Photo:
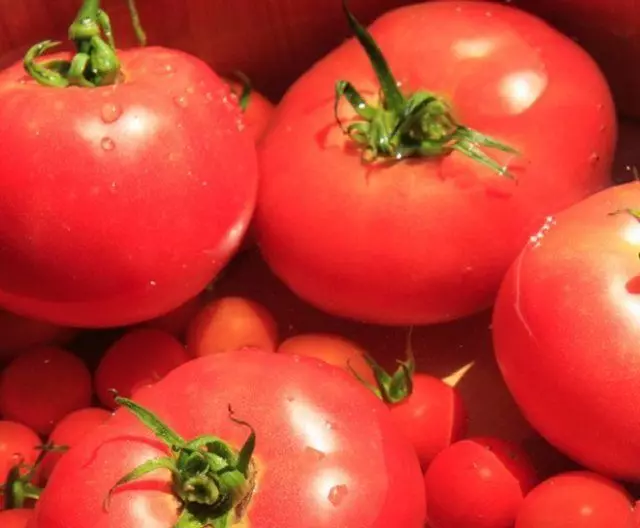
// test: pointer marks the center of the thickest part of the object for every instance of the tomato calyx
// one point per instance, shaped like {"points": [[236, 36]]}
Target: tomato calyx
{"points": [[396, 387], [213, 483], [244, 97], [419, 125], [95, 62], [18, 486]]}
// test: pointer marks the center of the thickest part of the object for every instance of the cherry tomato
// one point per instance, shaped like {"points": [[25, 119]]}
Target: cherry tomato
{"points": [[433, 416], [140, 357], [42, 386], [68, 432], [565, 326], [231, 323], [17, 442], [420, 241], [327, 453], [18, 518], [332, 349], [477, 483], [578, 500]]}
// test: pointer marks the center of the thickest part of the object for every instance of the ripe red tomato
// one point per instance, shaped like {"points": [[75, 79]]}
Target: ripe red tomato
{"points": [[477, 483], [155, 191], [15, 518], [68, 432], [18, 333], [414, 242], [433, 416], [231, 323], [565, 330], [258, 109], [141, 357], [42, 386], [333, 349], [578, 499], [326, 451]]}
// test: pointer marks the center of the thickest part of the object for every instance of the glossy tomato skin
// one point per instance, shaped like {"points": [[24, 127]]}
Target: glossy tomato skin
{"points": [[579, 498], [120, 203], [428, 241], [565, 330], [327, 453]]}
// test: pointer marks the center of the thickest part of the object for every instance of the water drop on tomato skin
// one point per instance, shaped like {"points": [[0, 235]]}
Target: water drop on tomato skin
{"points": [[181, 101], [337, 494], [594, 158], [190, 90], [107, 144], [110, 112]]}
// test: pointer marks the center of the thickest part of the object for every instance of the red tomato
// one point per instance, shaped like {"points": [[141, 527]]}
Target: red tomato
{"points": [[433, 417], [323, 442], [333, 349], [155, 193], [477, 483], [578, 499], [565, 330], [68, 432], [18, 333], [17, 442], [258, 111], [415, 242], [138, 358], [231, 323], [42, 386], [15, 518]]}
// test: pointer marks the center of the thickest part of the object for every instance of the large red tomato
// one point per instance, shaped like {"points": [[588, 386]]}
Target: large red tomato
{"points": [[326, 455], [566, 329], [421, 241], [119, 202]]}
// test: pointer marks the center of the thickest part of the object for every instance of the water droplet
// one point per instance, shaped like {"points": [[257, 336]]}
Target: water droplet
{"points": [[594, 158], [166, 69], [22, 80], [458, 9], [174, 156], [208, 96], [107, 144], [113, 187], [110, 112], [488, 14], [315, 453], [337, 494], [181, 101], [240, 123], [329, 425], [153, 283], [191, 90]]}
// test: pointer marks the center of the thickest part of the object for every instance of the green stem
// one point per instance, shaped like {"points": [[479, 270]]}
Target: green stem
{"points": [[212, 481], [420, 124], [95, 62]]}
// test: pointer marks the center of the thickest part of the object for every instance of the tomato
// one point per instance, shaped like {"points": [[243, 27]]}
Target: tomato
{"points": [[580, 499], [140, 357], [68, 432], [18, 333], [565, 327], [42, 386], [608, 32], [176, 321], [322, 442], [231, 323], [18, 445], [15, 518], [154, 194], [333, 349], [257, 109], [477, 483], [416, 242], [432, 416]]}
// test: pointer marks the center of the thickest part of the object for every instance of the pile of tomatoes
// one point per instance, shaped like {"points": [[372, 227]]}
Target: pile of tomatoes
{"points": [[405, 296]]}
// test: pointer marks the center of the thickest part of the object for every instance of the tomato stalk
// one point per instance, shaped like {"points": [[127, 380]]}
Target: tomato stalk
{"points": [[18, 486], [418, 125], [212, 481], [396, 387], [95, 62]]}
